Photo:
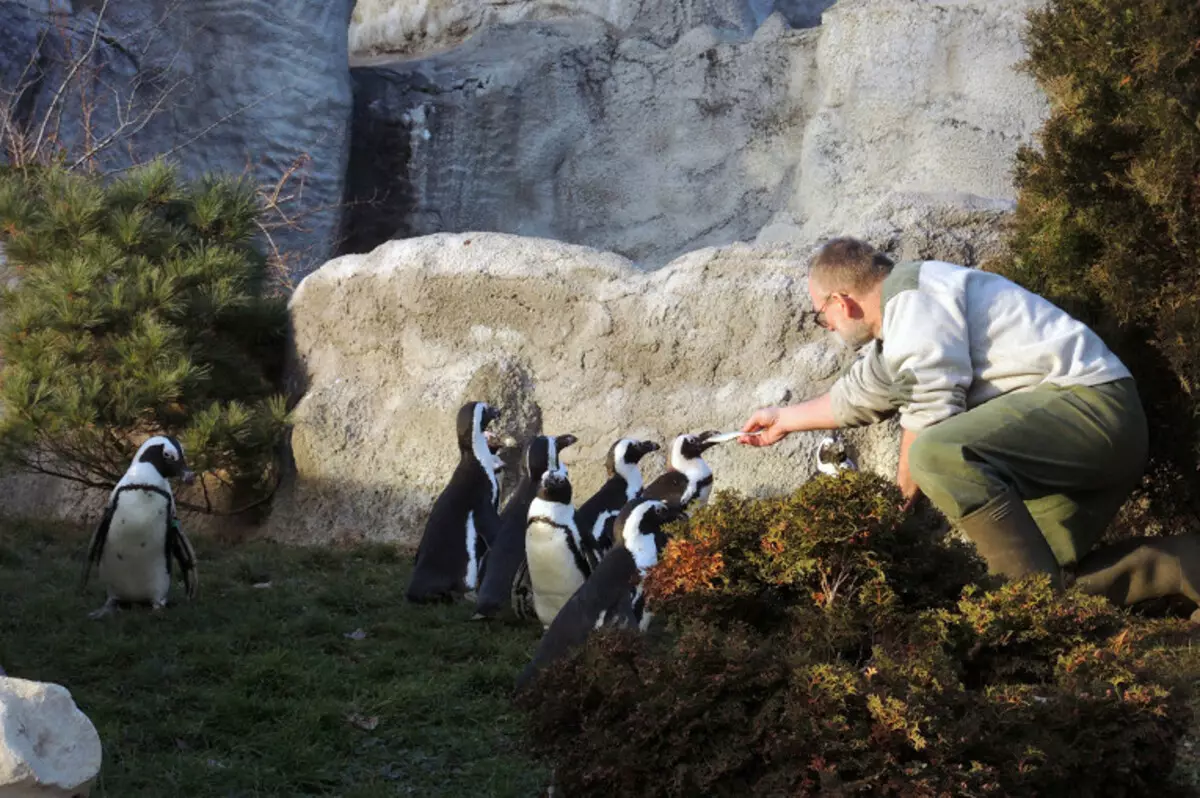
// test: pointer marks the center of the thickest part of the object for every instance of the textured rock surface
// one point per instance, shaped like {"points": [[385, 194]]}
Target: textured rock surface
{"points": [[254, 86], [891, 115], [566, 131], [918, 114], [412, 27], [48, 747], [393, 342]]}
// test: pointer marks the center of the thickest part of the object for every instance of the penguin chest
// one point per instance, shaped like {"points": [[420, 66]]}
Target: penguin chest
{"points": [[134, 564], [554, 574]]}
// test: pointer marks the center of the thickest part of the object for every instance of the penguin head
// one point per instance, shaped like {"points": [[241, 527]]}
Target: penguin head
{"points": [[543, 452], [629, 451], [691, 447], [165, 453], [640, 528], [473, 419], [555, 487]]}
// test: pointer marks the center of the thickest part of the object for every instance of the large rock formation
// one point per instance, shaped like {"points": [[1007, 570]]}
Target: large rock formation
{"points": [[390, 344], [412, 27], [255, 86], [48, 747], [895, 120]]}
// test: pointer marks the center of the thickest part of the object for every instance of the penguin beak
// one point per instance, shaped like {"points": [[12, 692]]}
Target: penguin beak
{"points": [[564, 441], [187, 477], [645, 447], [703, 437]]}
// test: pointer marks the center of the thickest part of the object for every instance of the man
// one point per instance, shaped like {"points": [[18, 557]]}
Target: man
{"points": [[1018, 423]]}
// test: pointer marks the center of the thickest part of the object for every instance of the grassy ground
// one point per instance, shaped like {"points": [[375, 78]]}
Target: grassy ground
{"points": [[266, 691]]}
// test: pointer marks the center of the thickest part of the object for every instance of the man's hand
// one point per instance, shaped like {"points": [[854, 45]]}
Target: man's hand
{"points": [[769, 420]]}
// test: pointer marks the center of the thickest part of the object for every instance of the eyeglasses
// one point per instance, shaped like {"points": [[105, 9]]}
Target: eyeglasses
{"points": [[817, 317]]}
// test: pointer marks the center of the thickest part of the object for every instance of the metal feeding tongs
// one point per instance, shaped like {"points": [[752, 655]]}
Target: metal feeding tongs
{"points": [[724, 437]]}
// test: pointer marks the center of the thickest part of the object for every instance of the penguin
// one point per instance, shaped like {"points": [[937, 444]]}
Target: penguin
{"points": [[559, 561], [624, 484], [463, 517], [832, 457], [688, 480], [139, 534], [506, 555], [611, 596]]}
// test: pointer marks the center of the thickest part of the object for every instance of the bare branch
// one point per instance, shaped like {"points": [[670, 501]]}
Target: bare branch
{"points": [[75, 66]]}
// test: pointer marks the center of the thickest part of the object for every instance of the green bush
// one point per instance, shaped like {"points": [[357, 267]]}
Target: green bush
{"points": [[139, 306], [901, 684], [1108, 216]]}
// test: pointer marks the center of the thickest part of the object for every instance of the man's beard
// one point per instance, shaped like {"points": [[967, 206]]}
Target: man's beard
{"points": [[856, 334]]}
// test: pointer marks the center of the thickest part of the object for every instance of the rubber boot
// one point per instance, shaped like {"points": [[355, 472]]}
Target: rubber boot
{"points": [[1009, 540], [1138, 569]]}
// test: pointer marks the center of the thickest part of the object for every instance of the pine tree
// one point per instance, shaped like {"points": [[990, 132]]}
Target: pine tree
{"points": [[138, 306], [1108, 215]]}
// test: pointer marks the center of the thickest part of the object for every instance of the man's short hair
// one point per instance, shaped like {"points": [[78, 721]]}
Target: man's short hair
{"points": [[850, 265]]}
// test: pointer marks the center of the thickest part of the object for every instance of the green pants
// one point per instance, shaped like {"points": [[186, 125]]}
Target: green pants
{"points": [[1072, 454]]}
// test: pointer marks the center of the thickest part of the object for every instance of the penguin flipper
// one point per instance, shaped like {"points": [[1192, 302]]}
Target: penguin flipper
{"points": [[180, 548], [96, 544]]}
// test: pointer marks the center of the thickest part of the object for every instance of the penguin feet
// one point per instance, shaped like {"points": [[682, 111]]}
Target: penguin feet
{"points": [[109, 608], [158, 605]]}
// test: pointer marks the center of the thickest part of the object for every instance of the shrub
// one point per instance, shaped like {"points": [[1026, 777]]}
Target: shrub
{"points": [[765, 684], [140, 306], [1108, 216]]}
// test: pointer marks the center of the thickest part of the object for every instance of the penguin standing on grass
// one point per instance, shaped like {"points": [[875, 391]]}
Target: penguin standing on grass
{"points": [[624, 484], [559, 559], [139, 534], [612, 594], [464, 516], [505, 557]]}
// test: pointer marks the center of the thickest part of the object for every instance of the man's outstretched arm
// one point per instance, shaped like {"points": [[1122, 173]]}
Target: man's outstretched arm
{"points": [[777, 423]]}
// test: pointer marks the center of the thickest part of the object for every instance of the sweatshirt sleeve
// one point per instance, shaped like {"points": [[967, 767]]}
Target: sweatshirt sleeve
{"points": [[927, 349], [863, 394]]}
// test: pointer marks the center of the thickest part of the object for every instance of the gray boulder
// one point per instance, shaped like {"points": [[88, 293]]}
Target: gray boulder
{"points": [[390, 344]]}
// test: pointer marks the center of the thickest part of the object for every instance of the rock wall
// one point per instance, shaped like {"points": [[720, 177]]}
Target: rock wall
{"points": [[390, 344], [252, 87], [414, 27], [895, 119]]}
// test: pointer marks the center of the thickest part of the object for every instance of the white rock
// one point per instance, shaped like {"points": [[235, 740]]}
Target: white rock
{"points": [[48, 747], [579, 339]]}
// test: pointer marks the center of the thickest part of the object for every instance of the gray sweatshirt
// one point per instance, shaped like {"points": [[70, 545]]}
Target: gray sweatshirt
{"points": [[954, 338]]}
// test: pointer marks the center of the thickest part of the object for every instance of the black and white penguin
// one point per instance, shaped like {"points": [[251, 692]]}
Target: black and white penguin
{"points": [[611, 596], [464, 516], [505, 557], [558, 558], [624, 484], [688, 480], [832, 456], [139, 534]]}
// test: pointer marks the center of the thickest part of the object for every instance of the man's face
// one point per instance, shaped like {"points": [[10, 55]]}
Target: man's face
{"points": [[833, 311]]}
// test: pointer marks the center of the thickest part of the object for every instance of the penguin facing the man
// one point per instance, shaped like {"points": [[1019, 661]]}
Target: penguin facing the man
{"points": [[598, 514], [609, 595]]}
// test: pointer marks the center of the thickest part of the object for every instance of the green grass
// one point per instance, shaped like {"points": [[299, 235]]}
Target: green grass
{"points": [[250, 691]]}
